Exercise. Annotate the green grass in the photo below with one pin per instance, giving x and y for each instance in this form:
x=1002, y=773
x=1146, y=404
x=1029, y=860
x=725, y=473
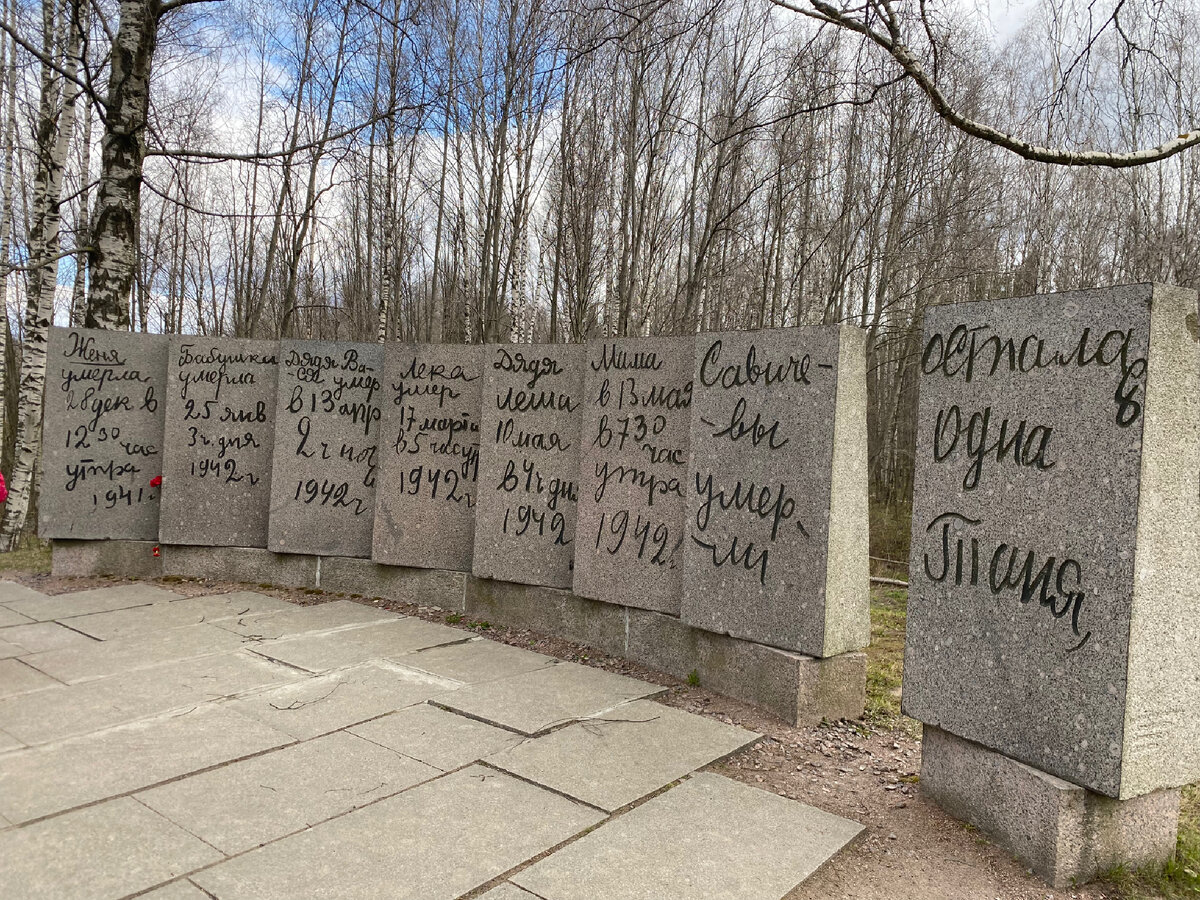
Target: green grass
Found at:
x=33, y=556
x=885, y=659
x=1179, y=878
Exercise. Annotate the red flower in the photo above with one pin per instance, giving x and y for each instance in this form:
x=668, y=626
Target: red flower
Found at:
x=156, y=552
x=156, y=481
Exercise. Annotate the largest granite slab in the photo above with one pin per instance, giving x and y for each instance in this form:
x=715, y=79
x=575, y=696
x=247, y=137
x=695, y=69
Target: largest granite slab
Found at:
x=102, y=434
x=1051, y=612
x=776, y=548
x=326, y=434
x=220, y=436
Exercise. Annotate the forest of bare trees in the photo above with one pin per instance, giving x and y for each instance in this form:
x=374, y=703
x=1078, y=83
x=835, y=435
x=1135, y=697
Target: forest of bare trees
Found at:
x=556, y=170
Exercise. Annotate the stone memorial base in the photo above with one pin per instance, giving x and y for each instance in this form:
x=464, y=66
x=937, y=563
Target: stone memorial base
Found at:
x=799, y=689
x=250, y=565
x=1065, y=833
x=132, y=558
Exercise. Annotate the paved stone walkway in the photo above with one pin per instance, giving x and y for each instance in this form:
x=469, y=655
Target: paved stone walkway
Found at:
x=240, y=746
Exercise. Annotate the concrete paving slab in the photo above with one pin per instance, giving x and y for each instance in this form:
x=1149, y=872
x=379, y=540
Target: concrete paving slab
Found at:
x=16, y=678
x=324, y=703
x=8, y=742
x=67, y=710
x=107, y=851
x=42, y=608
x=123, y=623
x=710, y=838
x=242, y=805
x=507, y=891
x=435, y=841
x=537, y=701
x=477, y=660
x=11, y=591
x=100, y=659
x=8, y=651
x=176, y=890
x=37, y=637
x=300, y=620
x=437, y=737
x=9, y=617
x=613, y=760
x=43, y=780
x=383, y=640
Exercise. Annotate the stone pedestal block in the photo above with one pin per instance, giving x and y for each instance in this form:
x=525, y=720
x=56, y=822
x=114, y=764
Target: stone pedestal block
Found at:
x=424, y=587
x=127, y=558
x=1053, y=571
x=247, y=564
x=799, y=689
x=548, y=610
x=1065, y=833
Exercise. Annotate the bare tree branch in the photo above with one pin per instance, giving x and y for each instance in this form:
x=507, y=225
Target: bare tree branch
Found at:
x=890, y=40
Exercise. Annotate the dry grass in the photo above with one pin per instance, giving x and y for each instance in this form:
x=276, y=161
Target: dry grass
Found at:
x=33, y=556
x=1179, y=878
x=885, y=660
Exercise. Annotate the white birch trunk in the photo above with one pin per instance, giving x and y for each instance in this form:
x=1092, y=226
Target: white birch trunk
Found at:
x=56, y=122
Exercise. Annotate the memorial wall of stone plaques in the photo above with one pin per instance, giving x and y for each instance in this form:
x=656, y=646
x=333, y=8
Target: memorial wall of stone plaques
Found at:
x=529, y=463
x=633, y=471
x=776, y=547
x=712, y=477
x=102, y=440
x=220, y=437
x=1051, y=610
x=429, y=456
x=327, y=419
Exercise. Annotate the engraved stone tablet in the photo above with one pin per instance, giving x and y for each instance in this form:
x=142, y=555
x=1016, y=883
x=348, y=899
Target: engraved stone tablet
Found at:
x=633, y=471
x=1051, y=611
x=529, y=463
x=777, y=493
x=220, y=436
x=102, y=434
x=429, y=456
x=326, y=428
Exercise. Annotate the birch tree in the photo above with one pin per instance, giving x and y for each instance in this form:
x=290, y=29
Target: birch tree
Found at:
x=61, y=40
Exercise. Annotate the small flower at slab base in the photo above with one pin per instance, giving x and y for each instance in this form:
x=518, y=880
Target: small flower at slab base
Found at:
x=156, y=551
x=156, y=481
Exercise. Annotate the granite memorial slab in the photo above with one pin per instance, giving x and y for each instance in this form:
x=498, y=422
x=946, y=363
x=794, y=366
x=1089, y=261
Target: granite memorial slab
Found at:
x=776, y=549
x=326, y=432
x=220, y=437
x=529, y=463
x=1051, y=612
x=429, y=456
x=102, y=435
x=633, y=471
